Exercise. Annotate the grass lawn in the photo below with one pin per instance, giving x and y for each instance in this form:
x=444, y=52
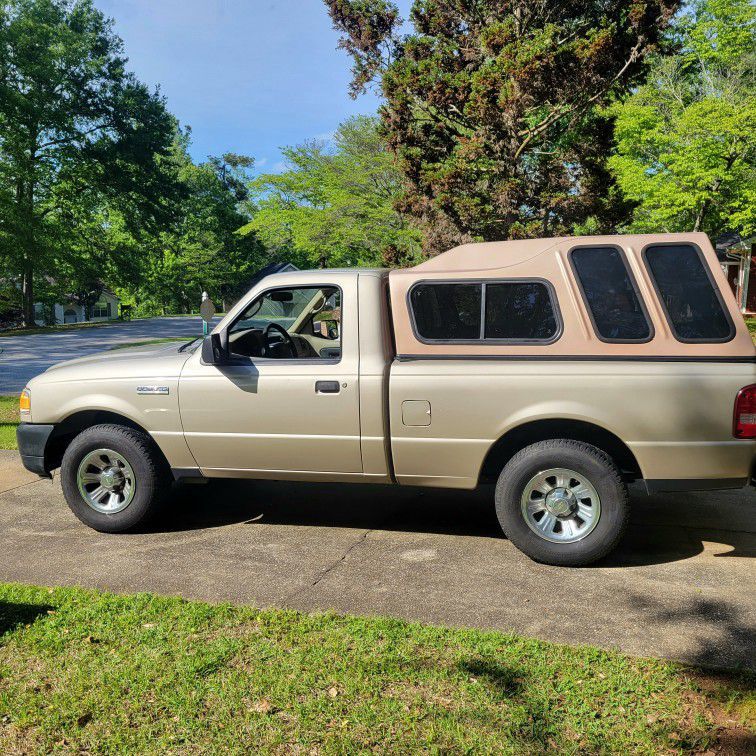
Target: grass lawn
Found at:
x=8, y=421
x=751, y=323
x=52, y=329
x=82, y=671
x=69, y=326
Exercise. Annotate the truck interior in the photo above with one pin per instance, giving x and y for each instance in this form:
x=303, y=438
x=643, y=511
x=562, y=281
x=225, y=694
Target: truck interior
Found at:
x=290, y=323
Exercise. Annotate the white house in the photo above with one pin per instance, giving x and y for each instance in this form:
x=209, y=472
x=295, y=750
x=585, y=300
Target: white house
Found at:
x=106, y=308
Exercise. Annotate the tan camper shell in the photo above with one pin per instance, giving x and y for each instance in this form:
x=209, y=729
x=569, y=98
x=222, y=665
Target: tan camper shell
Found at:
x=560, y=369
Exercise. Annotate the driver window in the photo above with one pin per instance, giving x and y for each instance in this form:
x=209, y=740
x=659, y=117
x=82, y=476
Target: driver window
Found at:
x=290, y=323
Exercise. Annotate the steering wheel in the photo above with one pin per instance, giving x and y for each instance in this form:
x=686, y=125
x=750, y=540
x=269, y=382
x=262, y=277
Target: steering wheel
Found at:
x=284, y=334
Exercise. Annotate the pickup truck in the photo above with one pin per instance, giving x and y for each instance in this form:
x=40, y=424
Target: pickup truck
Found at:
x=559, y=369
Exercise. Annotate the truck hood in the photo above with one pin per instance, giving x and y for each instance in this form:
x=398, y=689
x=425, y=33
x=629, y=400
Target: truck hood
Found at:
x=122, y=358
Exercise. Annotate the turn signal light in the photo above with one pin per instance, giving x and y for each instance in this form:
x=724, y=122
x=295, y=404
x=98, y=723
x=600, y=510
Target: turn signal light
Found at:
x=24, y=401
x=744, y=420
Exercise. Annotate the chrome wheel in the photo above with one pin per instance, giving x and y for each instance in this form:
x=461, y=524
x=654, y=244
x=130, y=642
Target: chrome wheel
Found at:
x=106, y=481
x=560, y=505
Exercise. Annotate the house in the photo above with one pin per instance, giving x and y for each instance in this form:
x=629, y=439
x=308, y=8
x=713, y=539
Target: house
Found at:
x=69, y=311
x=737, y=256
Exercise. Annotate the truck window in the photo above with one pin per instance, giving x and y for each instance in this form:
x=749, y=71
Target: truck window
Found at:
x=519, y=311
x=610, y=294
x=514, y=311
x=692, y=303
x=290, y=323
x=447, y=311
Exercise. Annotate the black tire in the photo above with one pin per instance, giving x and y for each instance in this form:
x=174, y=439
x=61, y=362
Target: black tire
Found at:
x=151, y=479
x=601, y=472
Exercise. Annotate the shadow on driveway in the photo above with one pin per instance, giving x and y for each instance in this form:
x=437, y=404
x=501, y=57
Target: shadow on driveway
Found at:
x=662, y=529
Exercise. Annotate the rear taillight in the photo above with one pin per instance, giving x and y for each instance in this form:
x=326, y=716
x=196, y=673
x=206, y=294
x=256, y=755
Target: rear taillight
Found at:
x=744, y=420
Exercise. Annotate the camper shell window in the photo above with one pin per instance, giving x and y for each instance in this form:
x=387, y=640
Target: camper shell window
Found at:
x=515, y=311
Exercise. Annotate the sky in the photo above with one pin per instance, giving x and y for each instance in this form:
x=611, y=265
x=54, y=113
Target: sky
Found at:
x=249, y=76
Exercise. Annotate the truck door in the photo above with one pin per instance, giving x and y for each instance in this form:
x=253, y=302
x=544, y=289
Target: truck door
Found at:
x=289, y=400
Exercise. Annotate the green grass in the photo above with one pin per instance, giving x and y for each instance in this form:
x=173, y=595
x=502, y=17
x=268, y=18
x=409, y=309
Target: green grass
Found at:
x=50, y=329
x=82, y=671
x=8, y=421
x=751, y=323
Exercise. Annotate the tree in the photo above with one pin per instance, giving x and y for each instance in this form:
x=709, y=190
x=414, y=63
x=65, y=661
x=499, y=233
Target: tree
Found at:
x=686, y=143
x=78, y=133
x=493, y=107
x=201, y=250
x=334, y=205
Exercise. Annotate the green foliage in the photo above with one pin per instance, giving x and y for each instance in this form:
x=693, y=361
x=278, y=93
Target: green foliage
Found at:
x=81, y=142
x=9, y=419
x=201, y=250
x=686, y=142
x=96, y=185
x=491, y=107
x=334, y=205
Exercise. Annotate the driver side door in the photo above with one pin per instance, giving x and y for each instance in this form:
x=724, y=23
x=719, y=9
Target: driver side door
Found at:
x=278, y=407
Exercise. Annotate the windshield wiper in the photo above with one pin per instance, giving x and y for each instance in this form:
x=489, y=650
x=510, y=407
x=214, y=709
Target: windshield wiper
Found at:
x=189, y=343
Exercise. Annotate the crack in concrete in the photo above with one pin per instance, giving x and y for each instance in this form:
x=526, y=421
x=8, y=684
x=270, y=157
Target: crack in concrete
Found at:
x=328, y=570
x=29, y=483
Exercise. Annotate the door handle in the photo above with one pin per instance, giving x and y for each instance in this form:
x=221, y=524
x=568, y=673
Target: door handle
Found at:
x=326, y=387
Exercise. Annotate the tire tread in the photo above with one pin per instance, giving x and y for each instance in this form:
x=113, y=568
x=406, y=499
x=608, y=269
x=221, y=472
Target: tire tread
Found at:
x=152, y=483
x=556, y=554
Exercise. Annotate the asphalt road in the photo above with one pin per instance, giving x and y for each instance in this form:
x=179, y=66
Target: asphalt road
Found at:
x=681, y=585
x=23, y=357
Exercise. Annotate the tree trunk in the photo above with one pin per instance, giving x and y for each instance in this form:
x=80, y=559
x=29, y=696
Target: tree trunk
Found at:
x=700, y=215
x=25, y=203
x=27, y=292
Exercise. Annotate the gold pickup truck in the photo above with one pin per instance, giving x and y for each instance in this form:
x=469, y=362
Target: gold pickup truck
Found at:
x=560, y=369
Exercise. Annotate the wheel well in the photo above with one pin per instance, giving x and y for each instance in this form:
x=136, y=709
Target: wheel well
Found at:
x=68, y=429
x=543, y=430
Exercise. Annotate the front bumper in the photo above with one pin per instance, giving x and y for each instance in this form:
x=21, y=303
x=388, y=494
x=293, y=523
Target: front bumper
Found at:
x=32, y=440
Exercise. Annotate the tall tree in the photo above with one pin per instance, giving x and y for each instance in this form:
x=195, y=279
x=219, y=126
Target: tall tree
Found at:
x=686, y=141
x=201, y=250
x=492, y=107
x=334, y=205
x=76, y=130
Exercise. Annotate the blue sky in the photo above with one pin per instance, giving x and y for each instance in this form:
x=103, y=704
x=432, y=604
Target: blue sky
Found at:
x=248, y=76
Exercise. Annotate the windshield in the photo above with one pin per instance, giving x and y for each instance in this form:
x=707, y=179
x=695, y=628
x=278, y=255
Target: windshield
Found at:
x=268, y=309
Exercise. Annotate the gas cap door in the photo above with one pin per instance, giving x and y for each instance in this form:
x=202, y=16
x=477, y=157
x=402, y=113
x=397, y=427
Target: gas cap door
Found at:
x=416, y=412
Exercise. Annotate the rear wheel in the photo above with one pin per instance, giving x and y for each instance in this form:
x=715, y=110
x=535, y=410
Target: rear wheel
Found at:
x=562, y=502
x=113, y=477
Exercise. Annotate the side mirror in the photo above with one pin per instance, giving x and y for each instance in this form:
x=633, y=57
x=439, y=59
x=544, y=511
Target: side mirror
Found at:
x=215, y=349
x=326, y=329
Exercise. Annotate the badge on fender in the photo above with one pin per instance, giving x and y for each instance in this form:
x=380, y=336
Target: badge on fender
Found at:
x=153, y=390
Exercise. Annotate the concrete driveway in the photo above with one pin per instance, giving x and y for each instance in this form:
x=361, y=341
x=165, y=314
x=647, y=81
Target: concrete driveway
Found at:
x=681, y=586
x=23, y=357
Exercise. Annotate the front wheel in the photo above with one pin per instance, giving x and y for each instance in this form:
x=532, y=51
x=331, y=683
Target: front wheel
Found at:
x=113, y=477
x=562, y=502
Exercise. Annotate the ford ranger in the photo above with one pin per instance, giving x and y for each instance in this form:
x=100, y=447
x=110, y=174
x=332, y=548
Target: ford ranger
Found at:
x=559, y=369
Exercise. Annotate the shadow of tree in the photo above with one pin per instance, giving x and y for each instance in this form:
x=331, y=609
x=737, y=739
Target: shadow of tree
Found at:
x=506, y=681
x=726, y=634
x=13, y=615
